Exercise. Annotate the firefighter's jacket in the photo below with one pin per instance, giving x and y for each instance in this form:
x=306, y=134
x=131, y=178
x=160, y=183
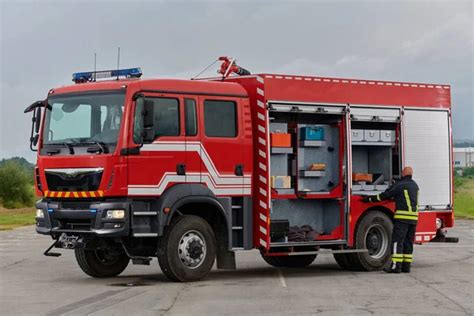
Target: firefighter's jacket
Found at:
x=405, y=193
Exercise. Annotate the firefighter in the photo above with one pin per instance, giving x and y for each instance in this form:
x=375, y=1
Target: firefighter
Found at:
x=405, y=193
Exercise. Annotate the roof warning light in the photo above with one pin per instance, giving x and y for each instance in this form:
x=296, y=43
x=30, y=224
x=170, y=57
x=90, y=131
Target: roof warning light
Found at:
x=81, y=77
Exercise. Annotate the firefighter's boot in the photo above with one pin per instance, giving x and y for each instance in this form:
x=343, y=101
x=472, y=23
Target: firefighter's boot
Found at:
x=394, y=268
x=406, y=267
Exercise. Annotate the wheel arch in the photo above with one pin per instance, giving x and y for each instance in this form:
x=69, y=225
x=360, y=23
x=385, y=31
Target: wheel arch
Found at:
x=377, y=208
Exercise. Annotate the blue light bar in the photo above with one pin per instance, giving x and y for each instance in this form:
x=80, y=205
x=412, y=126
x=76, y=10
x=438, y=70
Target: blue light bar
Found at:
x=80, y=77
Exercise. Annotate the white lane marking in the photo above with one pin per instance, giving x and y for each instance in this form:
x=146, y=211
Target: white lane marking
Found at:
x=282, y=278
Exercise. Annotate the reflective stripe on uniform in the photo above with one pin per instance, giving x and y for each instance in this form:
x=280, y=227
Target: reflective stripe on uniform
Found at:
x=401, y=214
x=378, y=197
x=407, y=198
x=408, y=258
x=397, y=257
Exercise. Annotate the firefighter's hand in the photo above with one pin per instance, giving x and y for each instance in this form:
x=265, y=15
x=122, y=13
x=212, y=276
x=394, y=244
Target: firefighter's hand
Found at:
x=366, y=199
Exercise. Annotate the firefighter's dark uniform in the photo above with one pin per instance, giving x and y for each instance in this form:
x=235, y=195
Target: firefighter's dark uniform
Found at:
x=405, y=193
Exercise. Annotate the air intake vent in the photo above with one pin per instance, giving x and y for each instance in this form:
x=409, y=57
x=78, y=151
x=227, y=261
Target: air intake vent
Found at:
x=75, y=179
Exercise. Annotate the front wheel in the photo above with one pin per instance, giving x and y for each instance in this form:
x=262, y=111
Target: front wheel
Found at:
x=102, y=262
x=187, y=249
x=374, y=233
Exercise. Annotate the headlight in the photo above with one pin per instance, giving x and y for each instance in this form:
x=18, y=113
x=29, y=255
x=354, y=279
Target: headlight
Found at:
x=115, y=214
x=39, y=213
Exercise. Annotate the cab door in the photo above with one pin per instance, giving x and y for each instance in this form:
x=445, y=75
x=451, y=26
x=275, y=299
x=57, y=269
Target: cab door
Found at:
x=222, y=152
x=160, y=163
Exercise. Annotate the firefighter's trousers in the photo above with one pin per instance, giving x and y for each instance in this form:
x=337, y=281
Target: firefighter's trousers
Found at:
x=402, y=242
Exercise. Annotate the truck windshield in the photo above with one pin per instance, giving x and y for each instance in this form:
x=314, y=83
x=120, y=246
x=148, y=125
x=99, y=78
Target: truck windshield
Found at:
x=84, y=118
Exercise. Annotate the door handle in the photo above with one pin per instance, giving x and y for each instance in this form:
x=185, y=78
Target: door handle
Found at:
x=239, y=169
x=181, y=169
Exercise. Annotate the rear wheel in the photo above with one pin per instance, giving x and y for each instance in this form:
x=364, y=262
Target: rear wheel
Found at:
x=102, y=262
x=187, y=249
x=374, y=233
x=289, y=261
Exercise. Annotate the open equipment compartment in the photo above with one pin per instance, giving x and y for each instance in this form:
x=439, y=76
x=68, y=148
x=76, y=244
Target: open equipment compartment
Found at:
x=375, y=145
x=314, y=182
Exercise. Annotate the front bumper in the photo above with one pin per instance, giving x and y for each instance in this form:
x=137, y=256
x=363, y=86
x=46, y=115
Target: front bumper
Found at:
x=85, y=218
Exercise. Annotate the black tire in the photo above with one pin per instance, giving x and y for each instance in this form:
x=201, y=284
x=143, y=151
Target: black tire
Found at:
x=289, y=261
x=342, y=260
x=101, y=263
x=178, y=265
x=374, y=232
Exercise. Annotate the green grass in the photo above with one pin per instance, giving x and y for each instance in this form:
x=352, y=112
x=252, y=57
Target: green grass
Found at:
x=464, y=198
x=13, y=218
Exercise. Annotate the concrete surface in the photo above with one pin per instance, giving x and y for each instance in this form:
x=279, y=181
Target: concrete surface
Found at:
x=442, y=283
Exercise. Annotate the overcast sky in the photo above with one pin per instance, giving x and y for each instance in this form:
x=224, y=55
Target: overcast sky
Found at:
x=42, y=44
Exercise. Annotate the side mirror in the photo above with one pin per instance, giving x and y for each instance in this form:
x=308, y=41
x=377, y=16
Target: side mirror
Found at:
x=37, y=120
x=148, y=121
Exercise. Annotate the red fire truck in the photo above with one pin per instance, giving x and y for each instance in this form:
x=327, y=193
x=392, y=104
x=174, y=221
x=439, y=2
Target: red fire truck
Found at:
x=190, y=171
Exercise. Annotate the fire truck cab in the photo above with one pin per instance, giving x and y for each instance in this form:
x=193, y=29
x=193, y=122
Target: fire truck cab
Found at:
x=190, y=171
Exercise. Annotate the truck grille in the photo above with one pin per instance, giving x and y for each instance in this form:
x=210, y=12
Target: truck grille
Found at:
x=75, y=179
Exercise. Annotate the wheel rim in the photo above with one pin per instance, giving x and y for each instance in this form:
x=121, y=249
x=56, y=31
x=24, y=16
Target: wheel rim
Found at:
x=376, y=241
x=192, y=249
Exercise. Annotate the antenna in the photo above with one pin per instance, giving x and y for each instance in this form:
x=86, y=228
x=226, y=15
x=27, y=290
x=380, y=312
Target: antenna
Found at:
x=95, y=66
x=118, y=61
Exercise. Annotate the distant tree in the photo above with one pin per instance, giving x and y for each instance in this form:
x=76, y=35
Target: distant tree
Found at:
x=15, y=185
x=23, y=163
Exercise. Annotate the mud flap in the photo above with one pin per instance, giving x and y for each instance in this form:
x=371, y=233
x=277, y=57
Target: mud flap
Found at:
x=226, y=260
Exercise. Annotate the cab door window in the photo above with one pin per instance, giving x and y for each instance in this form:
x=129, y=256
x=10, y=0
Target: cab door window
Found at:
x=220, y=118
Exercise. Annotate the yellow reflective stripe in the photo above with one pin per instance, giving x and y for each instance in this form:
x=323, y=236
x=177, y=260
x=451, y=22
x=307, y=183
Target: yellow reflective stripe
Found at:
x=397, y=255
x=75, y=194
x=91, y=193
x=397, y=259
x=414, y=218
x=407, y=260
x=67, y=194
x=46, y=193
x=401, y=212
x=407, y=198
x=407, y=256
x=378, y=197
x=101, y=193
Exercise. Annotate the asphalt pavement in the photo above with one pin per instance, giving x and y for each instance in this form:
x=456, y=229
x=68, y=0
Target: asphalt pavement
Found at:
x=442, y=283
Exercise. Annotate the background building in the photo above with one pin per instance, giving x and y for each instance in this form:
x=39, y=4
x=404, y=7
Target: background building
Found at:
x=464, y=157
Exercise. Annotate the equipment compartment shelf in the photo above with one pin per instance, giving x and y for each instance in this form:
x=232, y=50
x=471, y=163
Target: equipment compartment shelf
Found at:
x=373, y=143
x=281, y=150
x=312, y=143
x=312, y=173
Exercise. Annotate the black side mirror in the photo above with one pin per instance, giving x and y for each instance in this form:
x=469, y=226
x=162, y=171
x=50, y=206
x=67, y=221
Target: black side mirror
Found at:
x=148, y=121
x=37, y=120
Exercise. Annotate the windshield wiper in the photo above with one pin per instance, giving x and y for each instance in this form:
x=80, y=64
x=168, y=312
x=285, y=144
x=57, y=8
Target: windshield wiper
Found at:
x=101, y=146
x=53, y=151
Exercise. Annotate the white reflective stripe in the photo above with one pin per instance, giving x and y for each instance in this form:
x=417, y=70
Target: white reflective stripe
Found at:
x=263, y=192
x=262, y=179
x=173, y=178
x=260, y=91
x=262, y=153
x=262, y=141
x=260, y=79
x=261, y=116
x=263, y=230
x=418, y=238
x=263, y=204
x=263, y=243
x=261, y=128
x=260, y=104
x=263, y=217
x=201, y=150
x=262, y=166
x=427, y=238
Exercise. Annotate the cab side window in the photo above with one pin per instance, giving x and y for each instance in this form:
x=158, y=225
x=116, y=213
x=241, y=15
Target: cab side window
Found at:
x=166, y=116
x=220, y=118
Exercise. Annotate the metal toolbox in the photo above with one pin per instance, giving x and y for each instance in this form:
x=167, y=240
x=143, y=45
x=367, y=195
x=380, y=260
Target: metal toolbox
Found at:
x=371, y=135
x=387, y=136
x=357, y=135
